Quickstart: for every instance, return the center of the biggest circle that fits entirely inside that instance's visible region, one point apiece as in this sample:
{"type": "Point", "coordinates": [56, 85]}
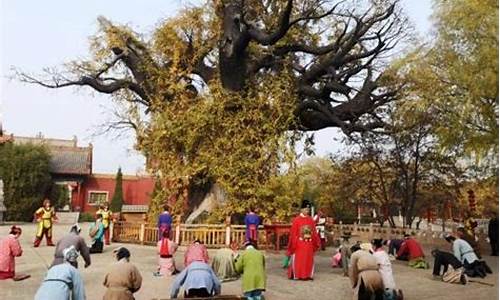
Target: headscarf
{"type": "Point", "coordinates": [70, 254]}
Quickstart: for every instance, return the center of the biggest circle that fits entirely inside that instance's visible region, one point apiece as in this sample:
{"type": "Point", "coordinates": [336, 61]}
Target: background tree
{"type": "Point", "coordinates": [59, 195]}
{"type": "Point", "coordinates": [25, 172]}
{"type": "Point", "coordinates": [117, 201]}
{"type": "Point", "coordinates": [457, 75]}
{"type": "Point", "coordinates": [215, 90]}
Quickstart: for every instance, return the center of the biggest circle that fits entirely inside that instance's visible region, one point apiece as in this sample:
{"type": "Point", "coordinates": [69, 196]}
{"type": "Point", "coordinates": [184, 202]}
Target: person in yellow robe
{"type": "Point", "coordinates": [107, 218]}
{"type": "Point", "coordinates": [45, 216]}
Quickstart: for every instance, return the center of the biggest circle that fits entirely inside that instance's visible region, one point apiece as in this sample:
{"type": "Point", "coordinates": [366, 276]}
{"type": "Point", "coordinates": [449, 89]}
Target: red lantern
{"type": "Point", "coordinates": [472, 201]}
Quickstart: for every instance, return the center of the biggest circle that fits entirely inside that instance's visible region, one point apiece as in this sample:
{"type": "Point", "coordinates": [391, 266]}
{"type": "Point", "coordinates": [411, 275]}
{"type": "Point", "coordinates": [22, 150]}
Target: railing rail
{"type": "Point", "coordinates": [220, 235]}
{"type": "Point", "coordinates": [214, 236]}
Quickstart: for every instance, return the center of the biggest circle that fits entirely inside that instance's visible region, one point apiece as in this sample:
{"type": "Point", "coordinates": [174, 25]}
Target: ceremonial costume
{"type": "Point", "coordinates": [195, 252]}
{"type": "Point", "coordinates": [72, 239]}
{"type": "Point", "coordinates": [303, 241]}
{"type": "Point", "coordinates": [63, 281]}
{"type": "Point", "coordinates": [251, 263]}
{"type": "Point", "coordinates": [45, 219]}
{"type": "Point", "coordinates": [223, 264]}
{"type": "Point", "coordinates": [107, 218]}
{"type": "Point", "coordinates": [365, 279]}
{"type": "Point", "coordinates": [9, 250]}
{"type": "Point", "coordinates": [123, 278]}
{"type": "Point", "coordinates": [321, 229]}
{"type": "Point", "coordinates": [166, 251]}
{"type": "Point", "coordinates": [252, 222]}
{"type": "Point", "coordinates": [164, 224]}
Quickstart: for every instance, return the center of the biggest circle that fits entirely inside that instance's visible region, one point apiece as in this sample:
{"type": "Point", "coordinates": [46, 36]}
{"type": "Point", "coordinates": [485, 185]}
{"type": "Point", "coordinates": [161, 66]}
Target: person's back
{"type": "Point", "coordinates": [63, 282]}
{"type": "Point", "coordinates": [122, 280]}
{"type": "Point", "coordinates": [199, 277]}
{"type": "Point", "coordinates": [365, 277]}
{"type": "Point", "coordinates": [9, 249]}
{"type": "Point", "coordinates": [71, 239]}
{"type": "Point", "coordinates": [412, 248]}
{"type": "Point", "coordinates": [464, 252]}
{"type": "Point", "coordinates": [223, 264]}
{"type": "Point", "coordinates": [385, 269]}
{"type": "Point", "coordinates": [195, 252]}
{"type": "Point", "coordinates": [252, 264]}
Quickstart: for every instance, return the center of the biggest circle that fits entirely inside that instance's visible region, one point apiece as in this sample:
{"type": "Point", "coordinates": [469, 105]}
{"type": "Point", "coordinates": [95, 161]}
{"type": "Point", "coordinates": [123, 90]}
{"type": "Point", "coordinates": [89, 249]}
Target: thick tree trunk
{"type": "Point", "coordinates": [232, 49]}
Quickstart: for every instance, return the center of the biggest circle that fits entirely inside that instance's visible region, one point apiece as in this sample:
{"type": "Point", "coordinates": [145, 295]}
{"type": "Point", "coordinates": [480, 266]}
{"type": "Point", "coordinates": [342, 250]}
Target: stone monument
{"type": "Point", "coordinates": [3, 209]}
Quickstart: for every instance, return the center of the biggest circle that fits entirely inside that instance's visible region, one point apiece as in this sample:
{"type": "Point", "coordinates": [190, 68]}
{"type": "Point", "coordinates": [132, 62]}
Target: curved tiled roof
{"type": "Point", "coordinates": [66, 157]}
{"type": "Point", "coordinates": [71, 160]}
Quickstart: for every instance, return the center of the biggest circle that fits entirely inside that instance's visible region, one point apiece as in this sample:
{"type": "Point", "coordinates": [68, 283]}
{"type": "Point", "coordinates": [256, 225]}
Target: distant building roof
{"type": "Point", "coordinates": [126, 208]}
{"type": "Point", "coordinates": [66, 156]}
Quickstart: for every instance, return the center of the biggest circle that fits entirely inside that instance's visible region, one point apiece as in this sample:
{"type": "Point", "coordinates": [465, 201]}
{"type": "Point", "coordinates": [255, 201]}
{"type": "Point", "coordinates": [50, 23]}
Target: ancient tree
{"type": "Point", "coordinates": [234, 78]}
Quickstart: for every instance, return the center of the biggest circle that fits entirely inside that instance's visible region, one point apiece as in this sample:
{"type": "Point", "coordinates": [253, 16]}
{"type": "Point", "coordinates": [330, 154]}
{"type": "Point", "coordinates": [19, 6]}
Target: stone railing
{"type": "Point", "coordinates": [213, 236]}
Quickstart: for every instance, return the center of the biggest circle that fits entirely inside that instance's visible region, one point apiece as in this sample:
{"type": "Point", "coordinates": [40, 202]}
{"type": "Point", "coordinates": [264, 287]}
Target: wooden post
{"type": "Point", "coordinates": [141, 234]}
{"type": "Point", "coordinates": [178, 230]}
{"type": "Point", "coordinates": [228, 235]}
{"type": "Point", "coordinates": [111, 229]}
{"type": "Point", "coordinates": [228, 231]}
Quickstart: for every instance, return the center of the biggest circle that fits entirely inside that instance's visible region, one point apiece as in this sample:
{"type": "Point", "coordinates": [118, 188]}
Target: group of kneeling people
{"type": "Point", "coordinates": [370, 271]}
{"type": "Point", "coordinates": [197, 279]}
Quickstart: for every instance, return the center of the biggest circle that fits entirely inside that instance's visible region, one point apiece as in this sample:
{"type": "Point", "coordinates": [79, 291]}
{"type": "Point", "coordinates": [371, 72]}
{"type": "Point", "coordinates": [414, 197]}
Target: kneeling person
{"type": "Point", "coordinates": [198, 280]}
{"type": "Point", "coordinates": [365, 278]}
{"type": "Point", "coordinates": [63, 281]}
{"type": "Point", "coordinates": [252, 264]}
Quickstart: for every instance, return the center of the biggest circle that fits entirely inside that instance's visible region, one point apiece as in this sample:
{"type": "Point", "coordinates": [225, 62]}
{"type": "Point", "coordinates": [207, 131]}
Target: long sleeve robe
{"type": "Point", "coordinates": [195, 252]}
{"type": "Point", "coordinates": [166, 265]}
{"type": "Point", "coordinates": [71, 239]}
{"type": "Point", "coordinates": [56, 284]}
{"type": "Point", "coordinates": [252, 222]}
{"type": "Point", "coordinates": [122, 281]}
{"type": "Point", "coordinates": [364, 270]}
{"type": "Point", "coordinates": [9, 249]}
{"type": "Point", "coordinates": [303, 241]}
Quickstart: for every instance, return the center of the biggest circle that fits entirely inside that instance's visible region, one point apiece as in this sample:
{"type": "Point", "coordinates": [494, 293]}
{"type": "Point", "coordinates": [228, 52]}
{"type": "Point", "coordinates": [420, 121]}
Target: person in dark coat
{"type": "Point", "coordinates": [393, 245]}
{"type": "Point", "coordinates": [493, 235]}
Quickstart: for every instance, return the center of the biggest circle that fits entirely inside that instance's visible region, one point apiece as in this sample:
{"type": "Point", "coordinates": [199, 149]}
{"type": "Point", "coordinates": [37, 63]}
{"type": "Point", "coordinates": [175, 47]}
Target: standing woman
{"type": "Point", "coordinates": [10, 248]}
{"type": "Point", "coordinates": [164, 222]}
{"type": "Point", "coordinates": [97, 235]}
{"type": "Point", "coordinates": [107, 218]}
{"type": "Point", "coordinates": [45, 216]}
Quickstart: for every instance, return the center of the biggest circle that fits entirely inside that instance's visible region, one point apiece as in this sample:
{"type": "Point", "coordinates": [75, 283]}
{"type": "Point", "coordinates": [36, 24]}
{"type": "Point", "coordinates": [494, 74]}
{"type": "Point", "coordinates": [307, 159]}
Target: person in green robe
{"type": "Point", "coordinates": [251, 263]}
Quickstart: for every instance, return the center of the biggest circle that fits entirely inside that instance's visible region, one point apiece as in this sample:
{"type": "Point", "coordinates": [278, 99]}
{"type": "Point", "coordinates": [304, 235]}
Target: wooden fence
{"type": "Point", "coordinates": [213, 236]}
{"type": "Point", "coordinates": [217, 236]}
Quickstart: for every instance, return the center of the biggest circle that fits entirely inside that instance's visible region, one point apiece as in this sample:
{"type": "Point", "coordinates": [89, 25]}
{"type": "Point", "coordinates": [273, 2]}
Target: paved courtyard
{"type": "Point", "coordinates": [328, 282]}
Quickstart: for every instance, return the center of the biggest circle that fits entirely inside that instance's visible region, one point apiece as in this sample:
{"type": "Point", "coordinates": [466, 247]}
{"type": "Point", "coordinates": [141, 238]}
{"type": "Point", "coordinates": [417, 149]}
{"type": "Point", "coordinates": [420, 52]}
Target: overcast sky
{"type": "Point", "coordinates": [38, 34]}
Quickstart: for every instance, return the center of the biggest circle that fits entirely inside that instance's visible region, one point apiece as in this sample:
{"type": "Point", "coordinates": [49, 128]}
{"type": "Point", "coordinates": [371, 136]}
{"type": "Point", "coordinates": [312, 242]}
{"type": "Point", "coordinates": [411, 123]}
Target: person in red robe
{"type": "Point", "coordinates": [303, 241]}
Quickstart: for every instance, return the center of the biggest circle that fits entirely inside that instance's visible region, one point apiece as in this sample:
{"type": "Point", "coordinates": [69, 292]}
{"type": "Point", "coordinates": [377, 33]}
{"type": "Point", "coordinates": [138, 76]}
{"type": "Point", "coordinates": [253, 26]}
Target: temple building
{"type": "Point", "coordinates": [71, 165]}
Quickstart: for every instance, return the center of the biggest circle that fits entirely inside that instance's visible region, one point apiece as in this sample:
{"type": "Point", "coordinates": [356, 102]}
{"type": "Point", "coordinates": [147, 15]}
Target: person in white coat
{"type": "Point", "coordinates": [385, 270]}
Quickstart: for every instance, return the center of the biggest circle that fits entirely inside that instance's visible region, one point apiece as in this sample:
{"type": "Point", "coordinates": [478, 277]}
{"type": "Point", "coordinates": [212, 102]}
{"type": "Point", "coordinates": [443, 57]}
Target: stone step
{"type": "Point", "coordinates": [67, 217]}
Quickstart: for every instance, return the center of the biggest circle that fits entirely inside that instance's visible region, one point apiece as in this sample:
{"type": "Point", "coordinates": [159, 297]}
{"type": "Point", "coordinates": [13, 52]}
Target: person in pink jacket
{"type": "Point", "coordinates": [195, 252]}
{"type": "Point", "coordinates": [9, 249]}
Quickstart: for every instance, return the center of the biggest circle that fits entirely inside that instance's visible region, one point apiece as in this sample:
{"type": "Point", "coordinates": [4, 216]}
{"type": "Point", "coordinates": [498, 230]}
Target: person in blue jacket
{"type": "Point", "coordinates": [164, 223]}
{"type": "Point", "coordinates": [252, 222]}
